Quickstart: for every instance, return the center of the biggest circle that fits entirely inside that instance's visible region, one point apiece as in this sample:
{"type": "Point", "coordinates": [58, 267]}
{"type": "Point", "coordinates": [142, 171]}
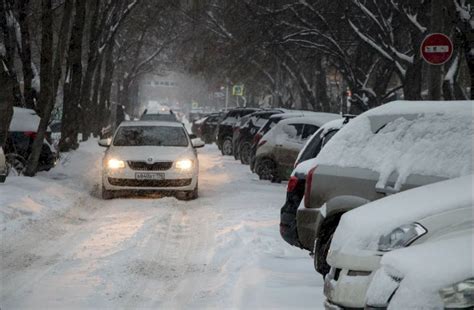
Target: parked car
{"type": "Point", "coordinates": [246, 130]}
{"type": "Point", "coordinates": [3, 166]}
{"type": "Point", "coordinates": [389, 149]}
{"type": "Point", "coordinates": [225, 128]}
{"type": "Point", "coordinates": [151, 156]}
{"type": "Point", "coordinates": [413, 217]}
{"type": "Point", "coordinates": [435, 275]}
{"type": "Point", "coordinates": [269, 124]}
{"type": "Point", "coordinates": [296, 184]}
{"type": "Point", "coordinates": [196, 124]}
{"type": "Point", "coordinates": [207, 129]}
{"type": "Point", "coordinates": [21, 134]}
{"type": "Point", "coordinates": [164, 115]}
{"type": "Point", "coordinates": [279, 148]}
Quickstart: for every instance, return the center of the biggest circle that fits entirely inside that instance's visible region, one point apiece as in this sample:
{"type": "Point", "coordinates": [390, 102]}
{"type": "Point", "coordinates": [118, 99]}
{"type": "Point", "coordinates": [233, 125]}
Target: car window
{"type": "Point", "coordinates": [308, 131]}
{"type": "Point", "coordinates": [293, 131]}
{"type": "Point", "coordinates": [151, 136]}
{"type": "Point", "coordinates": [329, 135]}
{"type": "Point", "coordinates": [312, 149]}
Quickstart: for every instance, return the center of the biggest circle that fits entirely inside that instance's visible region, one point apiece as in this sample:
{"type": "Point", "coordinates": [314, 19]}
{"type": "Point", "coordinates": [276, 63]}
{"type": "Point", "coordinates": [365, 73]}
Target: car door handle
{"type": "Point", "coordinates": [387, 190]}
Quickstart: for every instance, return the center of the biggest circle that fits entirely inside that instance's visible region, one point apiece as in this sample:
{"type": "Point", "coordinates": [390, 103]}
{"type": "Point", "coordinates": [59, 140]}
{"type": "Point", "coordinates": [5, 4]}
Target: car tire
{"type": "Point", "coordinates": [227, 147]}
{"type": "Point", "coordinates": [266, 169]}
{"type": "Point", "coordinates": [323, 243]}
{"type": "Point", "coordinates": [106, 194]}
{"type": "Point", "coordinates": [245, 153]}
{"type": "Point", "coordinates": [16, 164]}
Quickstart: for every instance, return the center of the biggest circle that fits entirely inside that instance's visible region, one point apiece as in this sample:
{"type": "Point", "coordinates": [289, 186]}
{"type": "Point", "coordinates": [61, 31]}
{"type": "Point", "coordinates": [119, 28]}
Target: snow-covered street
{"type": "Point", "coordinates": [64, 247]}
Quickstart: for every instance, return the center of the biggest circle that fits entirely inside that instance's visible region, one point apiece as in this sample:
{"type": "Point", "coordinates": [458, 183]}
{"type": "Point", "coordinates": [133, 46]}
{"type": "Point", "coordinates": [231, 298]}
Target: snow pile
{"type": "Point", "coordinates": [427, 138]}
{"type": "Point", "coordinates": [425, 269]}
{"type": "Point", "coordinates": [24, 120]}
{"type": "Point", "coordinates": [361, 228]}
{"type": "Point", "coordinates": [23, 199]}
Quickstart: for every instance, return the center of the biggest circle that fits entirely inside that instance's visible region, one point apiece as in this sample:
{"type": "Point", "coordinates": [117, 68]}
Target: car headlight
{"type": "Point", "coordinates": [459, 295]}
{"type": "Point", "coordinates": [184, 164]}
{"type": "Point", "coordinates": [115, 164]}
{"type": "Point", "coordinates": [401, 237]}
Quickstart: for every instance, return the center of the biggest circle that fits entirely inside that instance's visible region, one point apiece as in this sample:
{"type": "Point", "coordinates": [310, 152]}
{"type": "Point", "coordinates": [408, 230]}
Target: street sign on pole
{"type": "Point", "coordinates": [436, 49]}
{"type": "Point", "coordinates": [238, 90]}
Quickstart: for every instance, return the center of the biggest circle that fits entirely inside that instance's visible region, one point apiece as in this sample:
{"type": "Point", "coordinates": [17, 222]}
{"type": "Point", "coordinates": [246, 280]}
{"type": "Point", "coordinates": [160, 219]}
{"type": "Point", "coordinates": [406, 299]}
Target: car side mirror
{"type": "Point", "coordinates": [197, 143]}
{"type": "Point", "coordinates": [105, 142]}
{"type": "Point", "coordinates": [192, 136]}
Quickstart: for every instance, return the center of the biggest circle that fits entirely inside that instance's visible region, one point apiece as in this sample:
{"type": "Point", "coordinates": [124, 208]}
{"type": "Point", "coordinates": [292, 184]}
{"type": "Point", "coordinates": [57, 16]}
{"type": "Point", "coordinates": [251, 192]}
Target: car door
{"type": "Point", "coordinates": [288, 145]}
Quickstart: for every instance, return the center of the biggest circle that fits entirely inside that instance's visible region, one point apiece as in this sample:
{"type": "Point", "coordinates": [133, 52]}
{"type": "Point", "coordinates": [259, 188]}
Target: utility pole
{"type": "Point", "coordinates": [226, 94]}
{"type": "Point", "coordinates": [435, 72]}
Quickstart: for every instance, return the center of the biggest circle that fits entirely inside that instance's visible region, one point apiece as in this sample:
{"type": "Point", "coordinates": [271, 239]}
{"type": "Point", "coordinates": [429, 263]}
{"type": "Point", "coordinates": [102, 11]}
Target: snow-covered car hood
{"type": "Point", "coordinates": [143, 153]}
{"type": "Point", "coordinates": [424, 270]}
{"type": "Point", "coordinates": [361, 228]}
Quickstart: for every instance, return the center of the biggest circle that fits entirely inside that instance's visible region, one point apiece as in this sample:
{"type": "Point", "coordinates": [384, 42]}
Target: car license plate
{"type": "Point", "coordinates": [149, 176]}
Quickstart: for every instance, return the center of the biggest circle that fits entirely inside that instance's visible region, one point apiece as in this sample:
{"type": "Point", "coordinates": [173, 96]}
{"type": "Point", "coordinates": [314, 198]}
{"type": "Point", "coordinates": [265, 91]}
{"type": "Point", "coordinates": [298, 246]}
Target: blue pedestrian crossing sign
{"type": "Point", "coordinates": [238, 90]}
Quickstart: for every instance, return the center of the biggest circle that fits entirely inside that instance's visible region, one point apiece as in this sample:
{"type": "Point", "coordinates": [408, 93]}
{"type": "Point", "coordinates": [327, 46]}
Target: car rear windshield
{"type": "Point", "coordinates": [159, 117]}
{"type": "Point", "coordinates": [150, 136]}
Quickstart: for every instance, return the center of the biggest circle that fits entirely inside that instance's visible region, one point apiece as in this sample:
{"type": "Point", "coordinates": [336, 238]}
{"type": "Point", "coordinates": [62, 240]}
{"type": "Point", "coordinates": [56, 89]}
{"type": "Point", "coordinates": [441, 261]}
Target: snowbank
{"type": "Point", "coordinates": [361, 228]}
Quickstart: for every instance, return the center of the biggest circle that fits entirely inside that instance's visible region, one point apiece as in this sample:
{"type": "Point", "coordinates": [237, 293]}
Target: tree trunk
{"type": "Point", "coordinates": [6, 102]}
{"type": "Point", "coordinates": [46, 91]}
{"type": "Point", "coordinates": [29, 93]}
{"type": "Point", "coordinates": [71, 105]}
{"type": "Point", "coordinates": [106, 88]}
{"type": "Point", "coordinates": [412, 81]}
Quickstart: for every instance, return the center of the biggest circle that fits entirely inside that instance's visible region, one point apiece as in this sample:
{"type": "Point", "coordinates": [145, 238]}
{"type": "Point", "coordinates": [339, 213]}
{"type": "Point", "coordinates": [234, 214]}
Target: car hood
{"type": "Point", "coordinates": [143, 153]}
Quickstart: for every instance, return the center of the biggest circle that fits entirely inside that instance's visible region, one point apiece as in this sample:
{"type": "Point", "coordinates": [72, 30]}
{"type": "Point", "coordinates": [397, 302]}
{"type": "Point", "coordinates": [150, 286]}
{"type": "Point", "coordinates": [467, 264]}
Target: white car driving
{"type": "Point", "coordinates": [151, 156]}
{"type": "Point", "coordinates": [366, 234]}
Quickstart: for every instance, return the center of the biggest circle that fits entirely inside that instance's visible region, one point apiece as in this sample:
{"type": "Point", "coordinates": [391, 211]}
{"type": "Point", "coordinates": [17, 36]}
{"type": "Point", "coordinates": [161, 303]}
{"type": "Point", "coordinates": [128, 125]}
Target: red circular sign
{"type": "Point", "coordinates": [436, 48]}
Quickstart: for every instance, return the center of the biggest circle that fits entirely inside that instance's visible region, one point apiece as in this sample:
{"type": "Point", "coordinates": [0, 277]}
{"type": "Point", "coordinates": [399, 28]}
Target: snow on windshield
{"type": "Point", "coordinates": [150, 136]}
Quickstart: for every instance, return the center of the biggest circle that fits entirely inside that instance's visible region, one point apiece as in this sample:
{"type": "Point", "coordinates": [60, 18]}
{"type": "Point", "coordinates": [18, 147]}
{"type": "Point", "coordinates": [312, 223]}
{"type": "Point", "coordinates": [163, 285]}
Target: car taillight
{"type": "Point", "coordinates": [257, 138]}
{"type": "Point", "coordinates": [309, 183]}
{"type": "Point", "coordinates": [30, 134]}
{"type": "Point", "coordinates": [292, 184]}
{"type": "Point", "coordinates": [262, 143]}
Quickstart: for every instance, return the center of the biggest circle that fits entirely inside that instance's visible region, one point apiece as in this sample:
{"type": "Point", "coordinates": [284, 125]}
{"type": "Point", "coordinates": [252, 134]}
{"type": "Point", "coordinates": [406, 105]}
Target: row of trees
{"type": "Point", "coordinates": [74, 56]}
{"type": "Point", "coordinates": [293, 48]}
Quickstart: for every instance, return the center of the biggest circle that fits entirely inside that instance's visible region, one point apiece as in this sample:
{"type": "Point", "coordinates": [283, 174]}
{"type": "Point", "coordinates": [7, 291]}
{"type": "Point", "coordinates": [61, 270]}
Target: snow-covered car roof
{"type": "Point", "coordinates": [150, 123]}
{"type": "Point", "coordinates": [361, 228]}
{"type": "Point", "coordinates": [424, 270]}
{"type": "Point", "coordinates": [297, 113]}
{"type": "Point", "coordinates": [431, 138]}
{"type": "Point", "coordinates": [25, 120]}
{"type": "Point", "coordinates": [318, 119]}
{"type": "Point", "coordinates": [306, 165]}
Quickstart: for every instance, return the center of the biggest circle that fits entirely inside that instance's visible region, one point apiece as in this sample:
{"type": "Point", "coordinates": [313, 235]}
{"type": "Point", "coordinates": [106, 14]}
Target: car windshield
{"type": "Point", "coordinates": [159, 117]}
{"type": "Point", "coordinates": [151, 136]}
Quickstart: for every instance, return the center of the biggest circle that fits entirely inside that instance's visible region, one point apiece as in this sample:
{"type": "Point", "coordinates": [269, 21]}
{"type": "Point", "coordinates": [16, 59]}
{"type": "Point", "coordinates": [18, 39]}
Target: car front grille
{"type": "Point", "coordinates": [144, 166]}
{"type": "Point", "coordinates": [150, 183]}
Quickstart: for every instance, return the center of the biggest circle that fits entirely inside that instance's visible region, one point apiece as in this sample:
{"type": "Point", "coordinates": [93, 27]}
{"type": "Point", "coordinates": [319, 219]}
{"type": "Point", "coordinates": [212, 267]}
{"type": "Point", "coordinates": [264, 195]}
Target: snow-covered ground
{"type": "Point", "coordinates": [63, 247]}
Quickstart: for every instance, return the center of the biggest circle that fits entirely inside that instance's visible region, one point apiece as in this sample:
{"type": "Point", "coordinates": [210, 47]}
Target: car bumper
{"type": "Point", "coordinates": [348, 281]}
{"type": "Point", "coordinates": [171, 181]}
{"type": "Point", "coordinates": [308, 220]}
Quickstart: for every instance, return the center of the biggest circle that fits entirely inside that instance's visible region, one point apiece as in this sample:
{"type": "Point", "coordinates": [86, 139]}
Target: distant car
{"type": "Point", "coordinates": [225, 128]}
{"type": "Point", "coordinates": [434, 275]}
{"type": "Point", "coordinates": [151, 156]}
{"type": "Point", "coordinates": [279, 148]}
{"type": "Point", "coordinates": [3, 166]}
{"type": "Point", "coordinates": [269, 124]}
{"type": "Point", "coordinates": [245, 131]}
{"type": "Point", "coordinates": [410, 218]}
{"type": "Point", "coordinates": [296, 184]}
{"type": "Point", "coordinates": [386, 150]}
{"type": "Point", "coordinates": [21, 134]}
{"type": "Point", "coordinates": [206, 130]}
{"type": "Point", "coordinates": [165, 115]}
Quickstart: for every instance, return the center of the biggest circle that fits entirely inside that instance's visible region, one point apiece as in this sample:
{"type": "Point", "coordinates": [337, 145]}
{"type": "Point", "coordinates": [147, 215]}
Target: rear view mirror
{"type": "Point", "coordinates": [105, 142]}
{"type": "Point", "coordinates": [197, 143]}
{"type": "Point", "coordinates": [192, 136]}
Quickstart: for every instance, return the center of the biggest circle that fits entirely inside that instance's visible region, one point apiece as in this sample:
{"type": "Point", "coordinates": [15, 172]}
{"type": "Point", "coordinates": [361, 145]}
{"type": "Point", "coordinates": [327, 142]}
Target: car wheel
{"type": "Point", "coordinates": [227, 147]}
{"type": "Point", "coordinates": [266, 169]}
{"type": "Point", "coordinates": [15, 164]}
{"type": "Point", "coordinates": [106, 194]}
{"type": "Point", "coordinates": [323, 244]}
{"type": "Point", "coordinates": [245, 153]}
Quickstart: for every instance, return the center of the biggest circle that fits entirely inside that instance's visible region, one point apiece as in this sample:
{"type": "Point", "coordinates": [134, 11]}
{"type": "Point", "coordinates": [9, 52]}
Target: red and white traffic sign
{"type": "Point", "coordinates": [436, 49]}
